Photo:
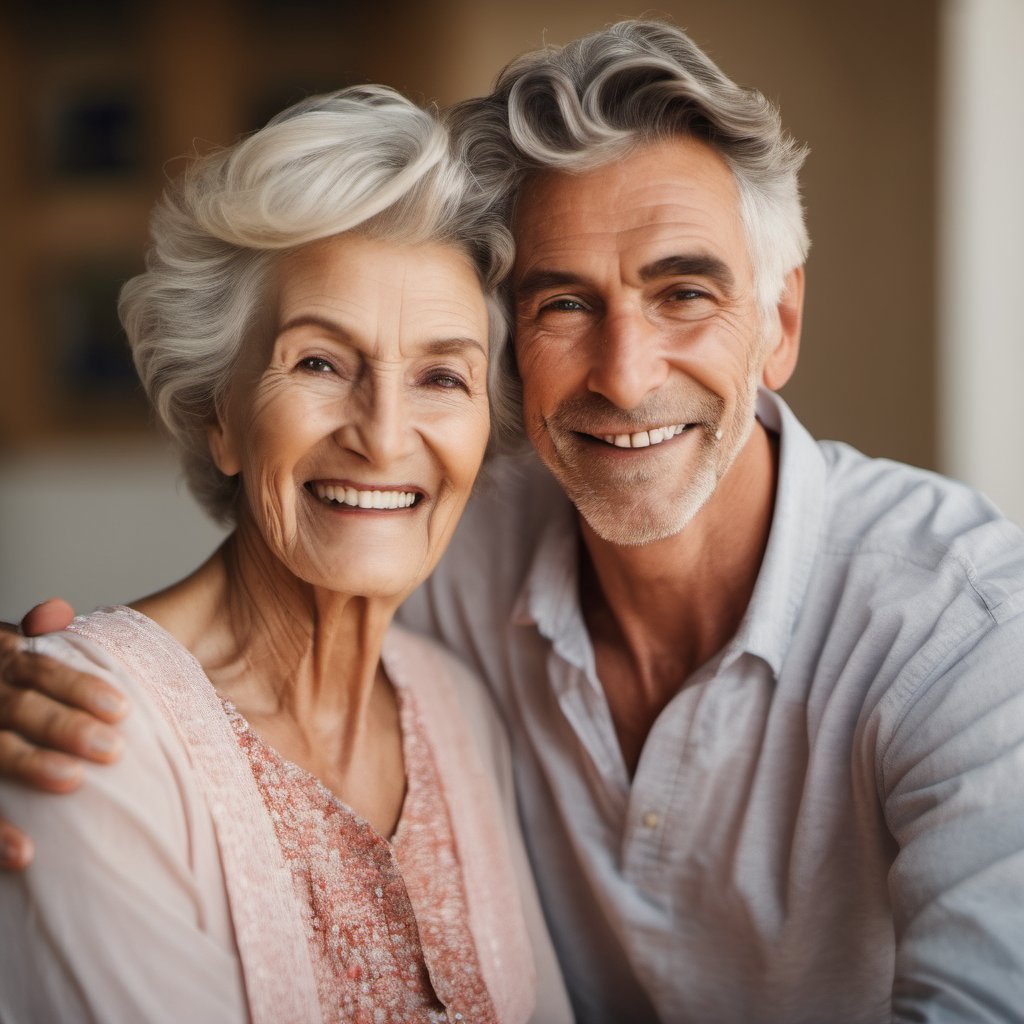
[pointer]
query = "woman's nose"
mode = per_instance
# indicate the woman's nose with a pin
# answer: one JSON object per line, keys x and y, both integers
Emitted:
{"x": 627, "y": 363}
{"x": 380, "y": 425}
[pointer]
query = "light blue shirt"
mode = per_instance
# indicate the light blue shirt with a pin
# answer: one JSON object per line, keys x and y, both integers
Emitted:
{"x": 827, "y": 820}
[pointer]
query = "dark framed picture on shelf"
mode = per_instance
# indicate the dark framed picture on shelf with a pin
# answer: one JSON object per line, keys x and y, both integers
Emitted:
{"x": 94, "y": 383}
{"x": 92, "y": 131}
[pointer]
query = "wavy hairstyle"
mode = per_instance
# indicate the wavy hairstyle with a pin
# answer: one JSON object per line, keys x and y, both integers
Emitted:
{"x": 362, "y": 159}
{"x": 579, "y": 106}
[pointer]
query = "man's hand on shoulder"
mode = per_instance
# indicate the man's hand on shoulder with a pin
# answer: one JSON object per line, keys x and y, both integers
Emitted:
{"x": 49, "y": 711}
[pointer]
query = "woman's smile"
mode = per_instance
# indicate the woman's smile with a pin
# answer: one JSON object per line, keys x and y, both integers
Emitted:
{"x": 364, "y": 498}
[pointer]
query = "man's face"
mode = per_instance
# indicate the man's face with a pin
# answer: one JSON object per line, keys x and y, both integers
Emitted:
{"x": 638, "y": 336}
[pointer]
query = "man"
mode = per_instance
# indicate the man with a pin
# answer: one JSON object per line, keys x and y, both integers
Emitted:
{"x": 764, "y": 693}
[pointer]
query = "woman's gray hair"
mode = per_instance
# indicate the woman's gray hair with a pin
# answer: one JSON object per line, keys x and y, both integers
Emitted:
{"x": 361, "y": 159}
{"x": 579, "y": 106}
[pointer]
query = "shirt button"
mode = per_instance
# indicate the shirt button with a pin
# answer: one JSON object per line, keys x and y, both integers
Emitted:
{"x": 651, "y": 819}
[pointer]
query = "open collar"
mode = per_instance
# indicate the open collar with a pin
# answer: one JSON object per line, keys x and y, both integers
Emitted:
{"x": 549, "y": 596}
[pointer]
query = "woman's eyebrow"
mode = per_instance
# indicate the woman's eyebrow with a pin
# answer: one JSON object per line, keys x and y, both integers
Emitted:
{"x": 312, "y": 320}
{"x": 453, "y": 346}
{"x": 437, "y": 346}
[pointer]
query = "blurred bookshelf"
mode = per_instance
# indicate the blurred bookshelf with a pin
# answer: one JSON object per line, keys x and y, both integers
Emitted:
{"x": 100, "y": 102}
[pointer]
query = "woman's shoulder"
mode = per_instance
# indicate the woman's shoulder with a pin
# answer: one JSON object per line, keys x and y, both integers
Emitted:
{"x": 122, "y": 643}
{"x": 433, "y": 673}
{"x": 151, "y": 788}
{"x": 133, "y": 848}
{"x": 113, "y": 644}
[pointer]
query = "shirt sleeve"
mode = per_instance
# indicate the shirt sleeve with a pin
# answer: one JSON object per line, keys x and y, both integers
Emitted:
{"x": 952, "y": 777}
{"x": 122, "y": 917}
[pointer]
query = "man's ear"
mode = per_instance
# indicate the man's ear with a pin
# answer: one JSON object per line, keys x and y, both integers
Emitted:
{"x": 784, "y": 346}
{"x": 222, "y": 445}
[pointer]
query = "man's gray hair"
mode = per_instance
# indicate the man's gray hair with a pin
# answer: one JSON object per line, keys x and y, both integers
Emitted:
{"x": 579, "y": 106}
{"x": 362, "y": 159}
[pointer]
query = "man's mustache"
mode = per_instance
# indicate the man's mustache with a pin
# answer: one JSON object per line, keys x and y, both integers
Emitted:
{"x": 594, "y": 414}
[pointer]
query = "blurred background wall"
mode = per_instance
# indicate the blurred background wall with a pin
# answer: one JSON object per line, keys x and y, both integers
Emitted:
{"x": 912, "y": 348}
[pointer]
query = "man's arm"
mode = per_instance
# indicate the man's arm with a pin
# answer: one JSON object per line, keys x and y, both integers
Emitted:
{"x": 953, "y": 797}
{"x": 48, "y": 710}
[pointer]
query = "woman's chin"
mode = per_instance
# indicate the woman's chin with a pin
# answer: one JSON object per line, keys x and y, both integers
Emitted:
{"x": 363, "y": 577}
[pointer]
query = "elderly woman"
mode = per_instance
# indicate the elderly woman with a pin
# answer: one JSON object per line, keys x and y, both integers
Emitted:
{"x": 313, "y": 817}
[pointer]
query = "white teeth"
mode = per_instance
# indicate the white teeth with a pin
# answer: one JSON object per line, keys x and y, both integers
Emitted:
{"x": 644, "y": 438}
{"x": 364, "y": 499}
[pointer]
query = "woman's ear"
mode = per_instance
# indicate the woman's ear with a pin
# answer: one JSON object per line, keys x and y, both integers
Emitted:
{"x": 222, "y": 445}
{"x": 780, "y": 361}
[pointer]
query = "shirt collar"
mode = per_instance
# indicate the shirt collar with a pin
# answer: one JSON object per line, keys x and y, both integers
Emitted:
{"x": 778, "y": 596}
{"x": 549, "y": 597}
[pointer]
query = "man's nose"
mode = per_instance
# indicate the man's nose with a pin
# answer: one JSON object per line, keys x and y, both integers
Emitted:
{"x": 627, "y": 362}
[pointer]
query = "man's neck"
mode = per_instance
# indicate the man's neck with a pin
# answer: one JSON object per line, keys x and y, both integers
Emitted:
{"x": 657, "y": 613}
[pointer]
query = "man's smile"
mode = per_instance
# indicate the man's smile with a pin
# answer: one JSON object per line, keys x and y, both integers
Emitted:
{"x": 644, "y": 438}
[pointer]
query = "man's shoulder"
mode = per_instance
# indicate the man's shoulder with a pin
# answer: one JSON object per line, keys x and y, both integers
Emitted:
{"x": 904, "y": 552}
{"x": 877, "y": 506}
{"x": 515, "y": 503}
{"x": 472, "y": 591}
{"x": 515, "y": 491}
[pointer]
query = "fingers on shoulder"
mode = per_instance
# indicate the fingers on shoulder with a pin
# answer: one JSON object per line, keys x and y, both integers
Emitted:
{"x": 25, "y": 763}
{"x": 64, "y": 682}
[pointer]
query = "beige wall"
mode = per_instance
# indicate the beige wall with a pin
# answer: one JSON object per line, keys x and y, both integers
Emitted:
{"x": 856, "y": 79}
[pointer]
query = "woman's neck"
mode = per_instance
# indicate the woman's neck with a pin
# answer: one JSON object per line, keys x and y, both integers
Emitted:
{"x": 276, "y": 646}
{"x": 301, "y": 664}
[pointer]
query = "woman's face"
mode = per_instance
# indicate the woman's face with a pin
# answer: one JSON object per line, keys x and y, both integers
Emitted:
{"x": 359, "y": 427}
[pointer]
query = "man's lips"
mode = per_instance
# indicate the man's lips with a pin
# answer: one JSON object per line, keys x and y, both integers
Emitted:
{"x": 385, "y": 497}
{"x": 644, "y": 438}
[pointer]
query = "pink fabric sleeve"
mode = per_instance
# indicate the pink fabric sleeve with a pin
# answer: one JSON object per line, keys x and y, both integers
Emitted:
{"x": 123, "y": 915}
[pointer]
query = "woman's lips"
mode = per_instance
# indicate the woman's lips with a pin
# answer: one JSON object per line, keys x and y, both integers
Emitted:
{"x": 385, "y": 498}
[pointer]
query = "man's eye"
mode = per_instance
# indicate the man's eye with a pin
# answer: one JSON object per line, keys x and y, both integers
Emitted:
{"x": 316, "y": 364}
{"x": 687, "y": 295}
{"x": 563, "y": 305}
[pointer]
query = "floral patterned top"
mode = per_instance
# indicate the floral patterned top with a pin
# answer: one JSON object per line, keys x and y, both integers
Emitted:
{"x": 386, "y": 922}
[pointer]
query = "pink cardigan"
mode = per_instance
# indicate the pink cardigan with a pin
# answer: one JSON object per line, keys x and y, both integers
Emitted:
{"x": 238, "y": 886}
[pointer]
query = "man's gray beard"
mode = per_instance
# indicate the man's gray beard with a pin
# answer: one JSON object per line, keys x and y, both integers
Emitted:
{"x": 628, "y": 523}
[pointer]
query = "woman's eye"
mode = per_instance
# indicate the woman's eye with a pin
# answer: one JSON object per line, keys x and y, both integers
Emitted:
{"x": 316, "y": 364}
{"x": 447, "y": 379}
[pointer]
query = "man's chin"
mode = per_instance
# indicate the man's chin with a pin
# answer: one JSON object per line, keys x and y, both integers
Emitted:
{"x": 637, "y": 524}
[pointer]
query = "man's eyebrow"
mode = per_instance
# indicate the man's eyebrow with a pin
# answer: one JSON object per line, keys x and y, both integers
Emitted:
{"x": 541, "y": 280}
{"x": 438, "y": 346}
{"x": 695, "y": 265}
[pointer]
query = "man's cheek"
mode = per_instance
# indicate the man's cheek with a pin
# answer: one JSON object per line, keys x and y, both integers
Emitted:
{"x": 541, "y": 357}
